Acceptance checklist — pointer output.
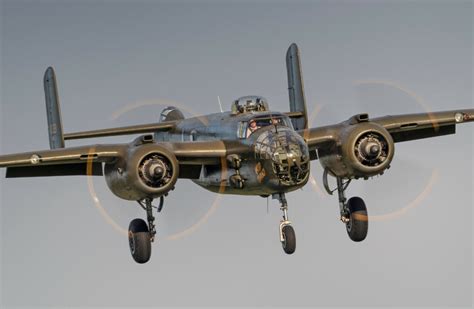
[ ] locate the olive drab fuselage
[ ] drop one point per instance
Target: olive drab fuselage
(278, 160)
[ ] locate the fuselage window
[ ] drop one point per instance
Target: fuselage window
(192, 136)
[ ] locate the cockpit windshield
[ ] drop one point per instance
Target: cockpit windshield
(260, 122)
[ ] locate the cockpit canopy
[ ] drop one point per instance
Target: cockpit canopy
(249, 104)
(246, 128)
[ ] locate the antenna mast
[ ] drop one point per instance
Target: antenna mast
(220, 105)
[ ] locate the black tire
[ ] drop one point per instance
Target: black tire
(289, 239)
(358, 224)
(139, 240)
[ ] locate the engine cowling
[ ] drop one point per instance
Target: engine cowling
(365, 150)
(148, 171)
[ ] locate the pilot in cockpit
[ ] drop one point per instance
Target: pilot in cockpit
(276, 121)
(258, 123)
(252, 127)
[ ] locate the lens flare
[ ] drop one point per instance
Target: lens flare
(95, 198)
(312, 181)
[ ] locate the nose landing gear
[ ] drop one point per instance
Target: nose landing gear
(287, 233)
(141, 234)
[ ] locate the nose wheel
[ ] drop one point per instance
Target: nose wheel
(287, 233)
(141, 234)
(288, 239)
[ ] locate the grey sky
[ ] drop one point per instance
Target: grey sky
(378, 57)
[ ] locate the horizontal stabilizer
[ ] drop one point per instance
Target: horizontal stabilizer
(139, 129)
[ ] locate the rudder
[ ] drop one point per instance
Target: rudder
(53, 111)
(296, 87)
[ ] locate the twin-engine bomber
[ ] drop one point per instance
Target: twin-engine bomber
(249, 150)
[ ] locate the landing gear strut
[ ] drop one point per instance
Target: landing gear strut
(141, 235)
(353, 213)
(287, 233)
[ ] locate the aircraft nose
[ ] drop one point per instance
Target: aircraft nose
(288, 154)
(290, 164)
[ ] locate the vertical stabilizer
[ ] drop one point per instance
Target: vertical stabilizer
(53, 112)
(296, 87)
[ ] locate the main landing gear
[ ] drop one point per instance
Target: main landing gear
(353, 213)
(141, 234)
(287, 233)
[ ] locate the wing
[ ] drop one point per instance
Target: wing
(62, 161)
(192, 156)
(401, 127)
(87, 160)
(417, 126)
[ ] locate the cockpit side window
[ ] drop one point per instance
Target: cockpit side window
(242, 129)
(257, 123)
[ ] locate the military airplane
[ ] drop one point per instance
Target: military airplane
(249, 150)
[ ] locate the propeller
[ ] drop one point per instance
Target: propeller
(418, 178)
(180, 219)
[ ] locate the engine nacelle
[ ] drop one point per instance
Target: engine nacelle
(148, 171)
(364, 150)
